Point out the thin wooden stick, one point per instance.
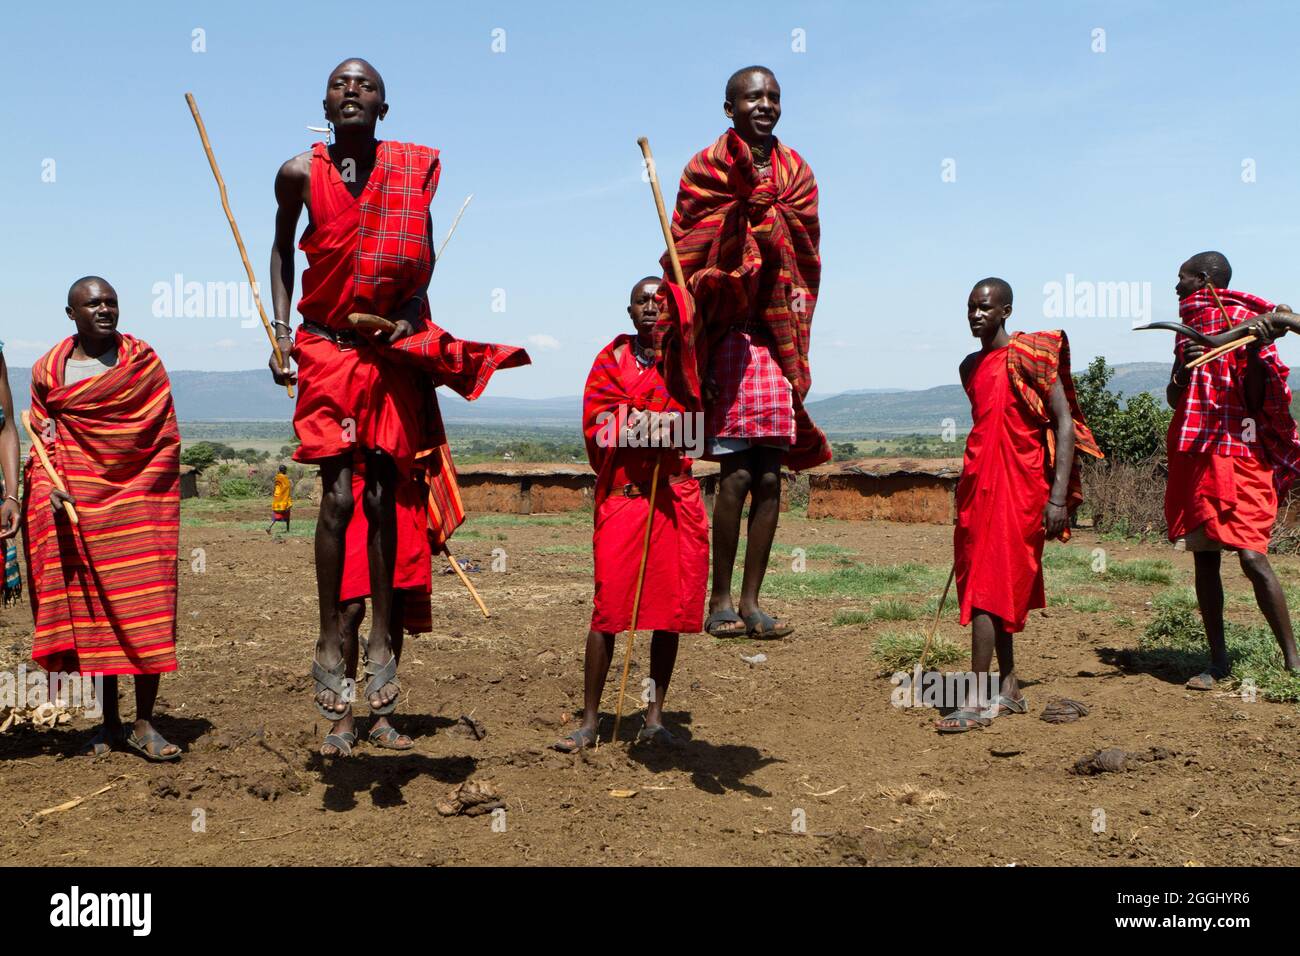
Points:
(1214, 353)
(455, 565)
(636, 599)
(49, 468)
(450, 232)
(934, 628)
(663, 213)
(239, 241)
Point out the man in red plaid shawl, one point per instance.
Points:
(1233, 451)
(1020, 483)
(747, 233)
(366, 411)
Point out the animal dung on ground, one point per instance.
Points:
(472, 798)
(469, 728)
(756, 659)
(1117, 760)
(1062, 710)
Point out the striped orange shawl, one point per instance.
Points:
(1035, 361)
(104, 594)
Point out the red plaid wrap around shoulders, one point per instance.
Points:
(1213, 416)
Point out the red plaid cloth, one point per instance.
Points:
(1213, 416)
(394, 255)
(754, 397)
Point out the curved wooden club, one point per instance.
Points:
(368, 322)
(49, 468)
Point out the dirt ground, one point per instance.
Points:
(808, 736)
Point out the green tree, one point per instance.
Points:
(1127, 431)
(200, 455)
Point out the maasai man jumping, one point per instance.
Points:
(281, 499)
(104, 591)
(628, 421)
(1019, 486)
(366, 405)
(747, 233)
(1233, 452)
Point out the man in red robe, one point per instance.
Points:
(104, 590)
(366, 406)
(630, 422)
(747, 233)
(1233, 452)
(1019, 485)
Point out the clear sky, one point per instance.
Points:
(951, 140)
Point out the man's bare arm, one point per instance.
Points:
(291, 184)
(8, 456)
(1055, 515)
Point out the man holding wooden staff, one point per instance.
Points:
(104, 590)
(366, 406)
(1233, 451)
(630, 422)
(747, 233)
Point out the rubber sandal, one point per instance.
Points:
(140, 744)
(580, 738)
(765, 627)
(386, 674)
(387, 737)
(1007, 705)
(343, 740)
(655, 734)
(345, 688)
(104, 741)
(969, 719)
(712, 624)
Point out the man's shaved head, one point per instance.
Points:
(1213, 264)
(87, 280)
(356, 64)
(1000, 287)
(640, 282)
(733, 81)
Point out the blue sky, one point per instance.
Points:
(1108, 166)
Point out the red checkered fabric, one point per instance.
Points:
(394, 254)
(1214, 417)
(755, 399)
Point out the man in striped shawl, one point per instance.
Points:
(1019, 485)
(103, 592)
(747, 233)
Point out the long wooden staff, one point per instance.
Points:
(454, 223)
(929, 638)
(49, 468)
(654, 479)
(364, 320)
(239, 241)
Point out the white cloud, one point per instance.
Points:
(547, 343)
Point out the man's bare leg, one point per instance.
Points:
(1209, 597)
(734, 483)
(146, 693)
(764, 513)
(663, 655)
(1271, 600)
(350, 616)
(595, 668)
(110, 734)
(381, 726)
(331, 529)
(380, 503)
(987, 637)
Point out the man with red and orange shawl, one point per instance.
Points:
(366, 412)
(630, 422)
(104, 590)
(1233, 452)
(1019, 486)
(747, 234)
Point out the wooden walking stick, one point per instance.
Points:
(239, 241)
(49, 468)
(654, 479)
(454, 223)
(929, 638)
(455, 565)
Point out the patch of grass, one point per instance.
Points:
(515, 521)
(1087, 603)
(847, 616)
(297, 528)
(1060, 557)
(855, 581)
(893, 610)
(563, 549)
(1141, 571)
(901, 651)
(1175, 639)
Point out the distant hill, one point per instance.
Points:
(251, 396)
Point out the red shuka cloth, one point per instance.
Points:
(998, 541)
(749, 250)
(676, 575)
(1234, 499)
(104, 593)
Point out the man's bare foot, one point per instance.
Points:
(327, 670)
(344, 734)
(383, 689)
(384, 734)
(107, 737)
(150, 744)
(580, 739)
